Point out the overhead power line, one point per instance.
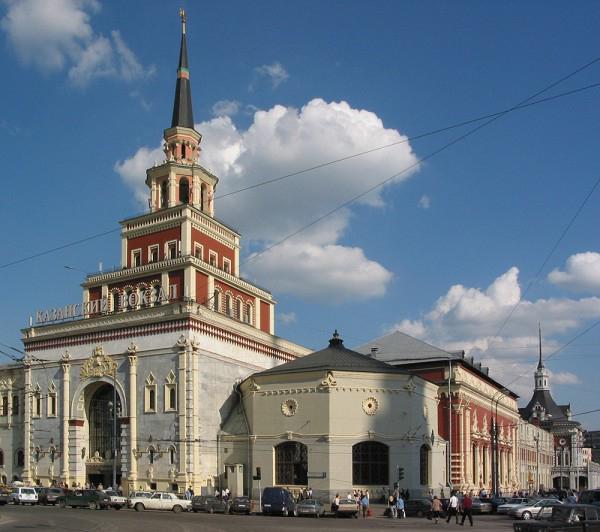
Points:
(492, 116)
(432, 154)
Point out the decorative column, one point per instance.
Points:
(27, 421)
(182, 414)
(133, 393)
(66, 396)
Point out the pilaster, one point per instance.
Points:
(66, 394)
(182, 413)
(26, 475)
(133, 393)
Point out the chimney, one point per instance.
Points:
(374, 352)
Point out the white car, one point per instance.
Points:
(161, 500)
(512, 503)
(24, 496)
(541, 508)
(116, 501)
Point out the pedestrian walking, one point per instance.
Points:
(453, 508)
(400, 508)
(467, 509)
(436, 508)
(364, 503)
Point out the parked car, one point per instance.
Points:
(116, 501)
(50, 495)
(161, 500)
(347, 507)
(482, 506)
(140, 494)
(92, 499)
(240, 505)
(278, 501)
(4, 496)
(542, 509)
(22, 495)
(497, 501)
(582, 517)
(417, 507)
(312, 507)
(210, 504)
(513, 503)
(590, 497)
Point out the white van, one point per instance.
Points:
(24, 496)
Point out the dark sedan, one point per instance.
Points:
(50, 495)
(417, 507)
(205, 503)
(240, 505)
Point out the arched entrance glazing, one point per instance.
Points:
(103, 439)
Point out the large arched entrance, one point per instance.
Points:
(104, 436)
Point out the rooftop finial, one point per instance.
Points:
(336, 341)
(182, 15)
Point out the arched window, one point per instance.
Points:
(216, 302)
(424, 464)
(116, 301)
(151, 452)
(184, 190)
(238, 309)
(370, 463)
(20, 458)
(248, 313)
(171, 455)
(202, 197)
(163, 194)
(228, 305)
(1, 458)
(291, 464)
(172, 398)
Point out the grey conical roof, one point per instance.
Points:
(336, 357)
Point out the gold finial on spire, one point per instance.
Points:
(182, 15)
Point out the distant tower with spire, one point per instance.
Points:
(541, 373)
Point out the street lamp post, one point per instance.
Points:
(536, 438)
(114, 442)
(495, 399)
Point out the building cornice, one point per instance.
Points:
(164, 319)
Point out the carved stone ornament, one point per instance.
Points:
(132, 349)
(66, 357)
(253, 386)
(183, 342)
(98, 365)
(370, 406)
(329, 381)
(289, 407)
(410, 386)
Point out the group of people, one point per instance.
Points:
(456, 506)
(223, 494)
(305, 494)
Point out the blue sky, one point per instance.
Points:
(448, 251)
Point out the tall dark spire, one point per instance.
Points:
(540, 363)
(182, 107)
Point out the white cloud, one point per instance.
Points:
(287, 317)
(424, 202)
(582, 273)
(53, 35)
(564, 377)
(133, 168)
(475, 320)
(281, 140)
(226, 108)
(274, 72)
(329, 274)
